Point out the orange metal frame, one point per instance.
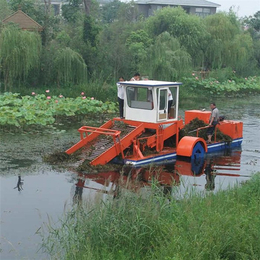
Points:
(163, 132)
(88, 138)
(156, 140)
(118, 147)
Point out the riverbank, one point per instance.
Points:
(225, 225)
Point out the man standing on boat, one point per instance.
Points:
(120, 97)
(170, 101)
(213, 121)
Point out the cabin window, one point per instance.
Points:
(163, 99)
(139, 97)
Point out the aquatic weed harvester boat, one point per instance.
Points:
(149, 133)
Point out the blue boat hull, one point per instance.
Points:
(171, 157)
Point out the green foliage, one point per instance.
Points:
(212, 87)
(63, 38)
(188, 29)
(27, 6)
(5, 11)
(110, 11)
(44, 110)
(227, 46)
(225, 225)
(166, 59)
(116, 41)
(128, 13)
(257, 52)
(70, 67)
(72, 10)
(164, 20)
(137, 44)
(19, 53)
(139, 36)
(90, 30)
(254, 21)
(115, 56)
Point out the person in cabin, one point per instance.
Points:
(170, 101)
(135, 77)
(120, 97)
(213, 121)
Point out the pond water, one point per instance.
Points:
(33, 192)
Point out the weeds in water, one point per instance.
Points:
(225, 225)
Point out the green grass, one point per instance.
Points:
(225, 225)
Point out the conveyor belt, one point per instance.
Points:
(103, 143)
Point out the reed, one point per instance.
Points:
(225, 225)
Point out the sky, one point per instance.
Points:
(240, 7)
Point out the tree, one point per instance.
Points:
(118, 43)
(19, 53)
(254, 21)
(190, 30)
(29, 7)
(90, 30)
(70, 67)
(110, 11)
(5, 11)
(137, 44)
(72, 10)
(166, 59)
(228, 45)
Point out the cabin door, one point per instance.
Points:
(162, 95)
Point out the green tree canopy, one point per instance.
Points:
(19, 53)
(70, 67)
(254, 21)
(188, 29)
(166, 59)
(228, 45)
(110, 11)
(5, 11)
(72, 10)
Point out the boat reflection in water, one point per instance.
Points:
(164, 176)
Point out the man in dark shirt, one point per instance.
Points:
(213, 121)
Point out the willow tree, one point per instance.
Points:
(166, 59)
(70, 67)
(190, 30)
(228, 45)
(19, 53)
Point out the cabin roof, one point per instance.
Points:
(149, 83)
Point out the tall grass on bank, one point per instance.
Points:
(225, 225)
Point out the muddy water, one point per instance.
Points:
(33, 192)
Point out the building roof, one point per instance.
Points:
(197, 3)
(24, 21)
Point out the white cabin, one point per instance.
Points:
(148, 100)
